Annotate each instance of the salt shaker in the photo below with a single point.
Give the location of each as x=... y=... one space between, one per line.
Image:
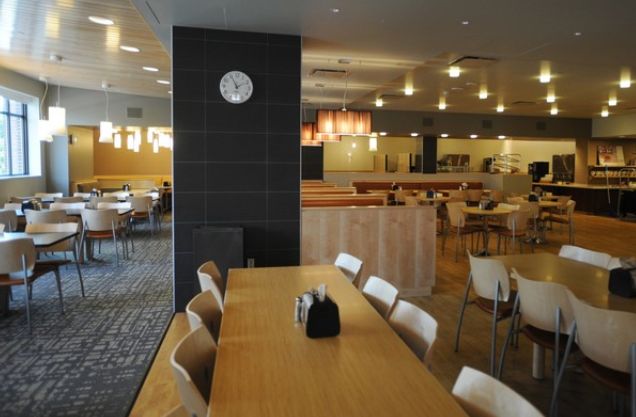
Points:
x=298 y=309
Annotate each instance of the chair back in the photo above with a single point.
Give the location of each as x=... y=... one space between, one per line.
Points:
x=213 y=272
x=65 y=245
x=474 y=195
x=68 y=206
x=569 y=208
x=539 y=301
x=45 y=216
x=12 y=253
x=141 y=204
x=48 y=196
x=205 y=310
x=604 y=336
x=458 y=195
x=481 y=395
x=416 y=327
x=514 y=200
x=381 y=294
x=588 y=256
x=68 y=199
x=13 y=206
x=496 y=196
x=349 y=265
x=192 y=363
x=99 y=220
x=532 y=207
x=486 y=272
x=94 y=201
x=518 y=220
x=399 y=196
x=456 y=216
x=563 y=201
x=85 y=196
x=10 y=220
x=509 y=206
x=1 y=227
x=116 y=206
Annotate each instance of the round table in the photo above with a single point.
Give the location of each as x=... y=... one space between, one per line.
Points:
x=485 y=214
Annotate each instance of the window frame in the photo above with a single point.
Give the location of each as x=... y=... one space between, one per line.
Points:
x=25 y=138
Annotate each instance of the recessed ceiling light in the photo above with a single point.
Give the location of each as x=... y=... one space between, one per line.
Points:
x=444 y=135
x=100 y=20
x=604 y=112
x=151 y=69
x=465 y=22
x=483 y=93
x=408 y=91
x=577 y=33
x=414 y=134
x=454 y=71
x=379 y=102
x=164 y=82
x=442 y=103
x=129 y=48
x=554 y=110
x=169 y=91
x=382 y=133
x=335 y=10
x=500 y=108
x=501 y=137
x=626 y=78
x=473 y=136
x=612 y=101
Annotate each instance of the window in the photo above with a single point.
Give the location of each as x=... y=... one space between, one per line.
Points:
x=13 y=138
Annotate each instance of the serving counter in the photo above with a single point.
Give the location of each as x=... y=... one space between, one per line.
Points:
x=595 y=198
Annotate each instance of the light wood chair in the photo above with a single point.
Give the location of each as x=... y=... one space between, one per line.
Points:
x=381 y=295
x=18 y=267
x=350 y=266
x=458 y=195
x=10 y=220
x=210 y=278
x=607 y=339
x=68 y=245
x=143 y=211
x=100 y=225
x=515 y=230
x=547 y=317
x=192 y=363
x=496 y=196
x=1 y=227
x=490 y=281
x=125 y=223
x=481 y=395
x=567 y=218
x=204 y=310
x=410 y=201
x=416 y=327
x=44 y=216
x=474 y=196
x=588 y=256
x=459 y=226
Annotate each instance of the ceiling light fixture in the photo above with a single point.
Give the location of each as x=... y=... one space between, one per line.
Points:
x=335 y=10
x=150 y=69
x=106 y=126
x=57 y=117
x=373 y=143
x=164 y=82
x=117 y=141
x=474 y=136
x=604 y=112
x=465 y=22
x=414 y=134
x=408 y=91
x=454 y=71
x=550 y=98
x=379 y=102
x=483 y=92
x=100 y=20
x=500 y=108
x=130 y=142
x=128 y=48
x=626 y=78
x=444 y=135
x=44 y=127
x=544 y=74
x=382 y=133
x=501 y=137
x=554 y=110
x=612 y=101
x=442 y=103
x=577 y=33
x=155 y=146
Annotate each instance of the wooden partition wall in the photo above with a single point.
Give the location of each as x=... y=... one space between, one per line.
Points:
x=395 y=243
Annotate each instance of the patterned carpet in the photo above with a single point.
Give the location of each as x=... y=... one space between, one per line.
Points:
x=92 y=360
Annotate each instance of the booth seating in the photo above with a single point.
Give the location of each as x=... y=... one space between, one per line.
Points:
x=363 y=186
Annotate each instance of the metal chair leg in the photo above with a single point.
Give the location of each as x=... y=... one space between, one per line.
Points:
x=26 y=293
x=632 y=355
x=511 y=330
x=79 y=272
x=557 y=382
x=493 y=340
x=462 y=309
x=59 y=289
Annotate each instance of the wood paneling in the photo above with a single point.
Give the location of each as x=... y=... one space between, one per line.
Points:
x=32 y=30
x=395 y=243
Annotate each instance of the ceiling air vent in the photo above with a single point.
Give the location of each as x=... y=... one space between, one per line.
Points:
x=542 y=126
x=468 y=61
x=329 y=73
x=486 y=124
x=134 y=112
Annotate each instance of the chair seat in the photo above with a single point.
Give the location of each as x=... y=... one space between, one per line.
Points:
x=99 y=234
x=615 y=380
x=53 y=262
x=558 y=219
x=545 y=338
x=38 y=271
x=504 y=309
x=140 y=215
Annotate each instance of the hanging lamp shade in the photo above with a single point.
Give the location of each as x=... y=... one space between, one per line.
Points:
x=57 y=121
x=307 y=135
x=117 y=141
x=130 y=142
x=44 y=130
x=339 y=122
x=105 y=132
x=155 y=145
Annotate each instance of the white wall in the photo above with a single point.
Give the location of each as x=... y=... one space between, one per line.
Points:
x=529 y=149
x=342 y=156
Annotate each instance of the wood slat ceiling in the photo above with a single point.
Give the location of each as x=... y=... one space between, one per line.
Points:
x=32 y=30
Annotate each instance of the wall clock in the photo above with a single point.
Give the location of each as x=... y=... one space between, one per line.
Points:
x=236 y=87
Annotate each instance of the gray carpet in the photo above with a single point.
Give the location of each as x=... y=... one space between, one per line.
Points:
x=91 y=360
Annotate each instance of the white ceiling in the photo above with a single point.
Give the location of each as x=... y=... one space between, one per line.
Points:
x=385 y=40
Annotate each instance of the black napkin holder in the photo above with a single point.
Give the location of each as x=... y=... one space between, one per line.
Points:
x=430 y=194
x=322 y=319
x=621 y=282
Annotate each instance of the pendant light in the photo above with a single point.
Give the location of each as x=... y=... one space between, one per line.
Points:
x=150 y=135
x=117 y=141
x=44 y=127
x=105 y=126
x=155 y=145
x=343 y=121
x=130 y=142
x=57 y=117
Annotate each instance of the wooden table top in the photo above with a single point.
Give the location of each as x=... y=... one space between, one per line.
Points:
x=40 y=240
x=497 y=211
x=77 y=212
x=588 y=282
x=266 y=366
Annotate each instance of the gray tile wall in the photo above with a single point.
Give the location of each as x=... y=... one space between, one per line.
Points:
x=235 y=164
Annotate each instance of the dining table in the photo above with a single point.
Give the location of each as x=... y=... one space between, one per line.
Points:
x=484 y=215
x=267 y=366
x=589 y=283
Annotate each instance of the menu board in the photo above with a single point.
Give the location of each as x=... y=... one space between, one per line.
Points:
x=610 y=155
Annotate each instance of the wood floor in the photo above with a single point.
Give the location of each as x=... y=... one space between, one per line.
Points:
x=580 y=396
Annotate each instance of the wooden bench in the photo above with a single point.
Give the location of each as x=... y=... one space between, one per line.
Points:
x=344 y=200
x=158 y=394
x=329 y=190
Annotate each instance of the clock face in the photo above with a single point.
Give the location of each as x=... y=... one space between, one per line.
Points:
x=236 y=87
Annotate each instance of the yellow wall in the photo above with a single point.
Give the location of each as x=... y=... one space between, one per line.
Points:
x=342 y=156
x=111 y=161
x=80 y=153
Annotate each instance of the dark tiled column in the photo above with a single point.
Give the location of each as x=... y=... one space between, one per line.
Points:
x=236 y=164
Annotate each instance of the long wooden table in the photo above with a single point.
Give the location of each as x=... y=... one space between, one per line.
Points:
x=266 y=366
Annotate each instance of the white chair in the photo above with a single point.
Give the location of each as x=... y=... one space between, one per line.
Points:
x=13 y=206
x=380 y=294
x=124 y=222
x=210 y=278
x=192 y=363
x=44 y=216
x=516 y=229
x=481 y=395
x=68 y=245
x=18 y=267
x=75 y=199
x=10 y=220
x=416 y=327
x=567 y=218
x=350 y=266
x=102 y=224
x=68 y=206
x=459 y=226
x=607 y=339
x=490 y=281
x=48 y=196
x=143 y=210
x=204 y=310
x=458 y=196
x=588 y=256
x=85 y=196
x=95 y=200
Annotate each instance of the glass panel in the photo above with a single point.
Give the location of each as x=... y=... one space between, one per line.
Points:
x=3 y=104
x=18 y=167
x=15 y=107
x=4 y=148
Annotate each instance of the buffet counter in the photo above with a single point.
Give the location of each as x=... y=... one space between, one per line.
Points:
x=596 y=198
